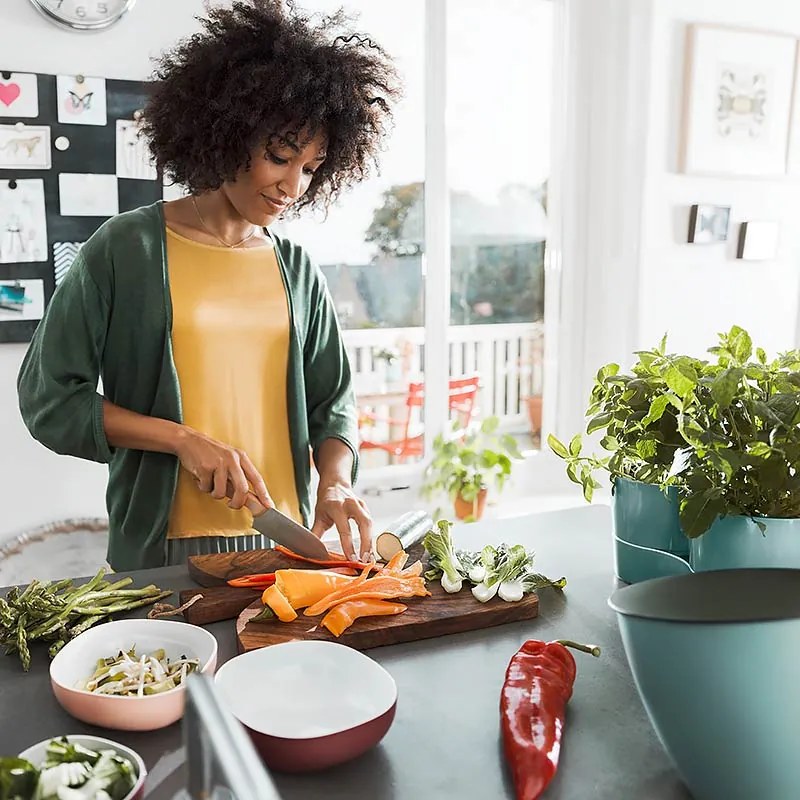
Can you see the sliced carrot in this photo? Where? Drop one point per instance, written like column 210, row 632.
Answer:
column 304, row 587
column 341, row 617
column 395, row 563
column 381, row 587
column 276, row 600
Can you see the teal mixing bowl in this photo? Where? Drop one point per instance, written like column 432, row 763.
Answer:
column 715, row 658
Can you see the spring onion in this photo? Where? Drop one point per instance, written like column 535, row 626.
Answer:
column 129, row 675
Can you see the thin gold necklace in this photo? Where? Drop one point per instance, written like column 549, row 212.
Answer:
column 222, row 241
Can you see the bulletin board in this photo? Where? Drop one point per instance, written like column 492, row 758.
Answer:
column 70, row 158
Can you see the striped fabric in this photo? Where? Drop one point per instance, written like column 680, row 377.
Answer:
column 178, row 550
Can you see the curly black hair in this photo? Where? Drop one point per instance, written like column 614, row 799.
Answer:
column 257, row 73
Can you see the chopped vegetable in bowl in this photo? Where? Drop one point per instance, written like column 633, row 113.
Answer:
column 129, row 675
column 69, row 772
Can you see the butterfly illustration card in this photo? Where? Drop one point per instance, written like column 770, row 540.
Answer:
column 19, row 95
column 81, row 100
column 23, row 225
column 24, row 146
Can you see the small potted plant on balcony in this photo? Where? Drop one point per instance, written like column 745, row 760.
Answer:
column 637, row 413
column 392, row 365
column 464, row 464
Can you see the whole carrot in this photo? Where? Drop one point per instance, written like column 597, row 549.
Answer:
column 537, row 688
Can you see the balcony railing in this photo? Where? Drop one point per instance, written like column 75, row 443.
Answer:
column 508, row 358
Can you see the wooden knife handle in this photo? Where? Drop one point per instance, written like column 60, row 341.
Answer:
column 251, row 502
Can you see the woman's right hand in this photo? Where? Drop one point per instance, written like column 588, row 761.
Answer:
column 215, row 465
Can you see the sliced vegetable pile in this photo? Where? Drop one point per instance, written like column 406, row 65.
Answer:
column 129, row 675
column 69, row 772
column 536, row 690
column 342, row 599
column 57, row 612
column 505, row 571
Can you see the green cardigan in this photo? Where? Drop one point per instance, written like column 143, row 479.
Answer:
column 111, row 318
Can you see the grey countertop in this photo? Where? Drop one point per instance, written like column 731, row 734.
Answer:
column 445, row 741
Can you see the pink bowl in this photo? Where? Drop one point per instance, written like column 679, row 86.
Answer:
column 309, row 705
column 76, row 662
column 36, row 754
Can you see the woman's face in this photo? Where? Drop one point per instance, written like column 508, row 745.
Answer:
column 275, row 179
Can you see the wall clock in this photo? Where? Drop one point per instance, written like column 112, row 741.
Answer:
column 84, row 15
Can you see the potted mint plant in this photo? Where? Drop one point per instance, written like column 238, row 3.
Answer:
column 465, row 463
column 739, row 469
column 709, row 449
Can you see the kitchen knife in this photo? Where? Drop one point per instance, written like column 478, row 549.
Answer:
column 282, row 529
column 286, row 531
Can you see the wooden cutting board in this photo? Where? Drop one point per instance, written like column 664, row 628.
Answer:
column 424, row 618
column 219, row 568
column 216, row 603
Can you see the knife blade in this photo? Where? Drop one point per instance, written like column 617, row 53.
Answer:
column 284, row 530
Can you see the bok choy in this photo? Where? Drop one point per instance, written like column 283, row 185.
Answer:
column 443, row 560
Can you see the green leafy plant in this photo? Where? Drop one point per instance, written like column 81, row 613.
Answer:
column 387, row 354
column 637, row 414
column 464, row 463
column 725, row 432
column 740, row 422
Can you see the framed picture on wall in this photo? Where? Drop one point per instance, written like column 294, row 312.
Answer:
column 708, row 224
column 793, row 156
column 737, row 101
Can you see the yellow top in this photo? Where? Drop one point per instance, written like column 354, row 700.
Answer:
column 230, row 338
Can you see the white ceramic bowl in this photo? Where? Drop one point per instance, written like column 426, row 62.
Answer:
column 309, row 705
column 36, row 754
column 76, row 662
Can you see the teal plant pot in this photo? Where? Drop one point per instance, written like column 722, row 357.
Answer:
column 648, row 540
column 737, row 542
column 714, row 656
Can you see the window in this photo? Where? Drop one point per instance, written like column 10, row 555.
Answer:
column 499, row 74
column 373, row 247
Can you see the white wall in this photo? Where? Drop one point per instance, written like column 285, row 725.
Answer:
column 627, row 273
column 37, row 486
column 694, row 291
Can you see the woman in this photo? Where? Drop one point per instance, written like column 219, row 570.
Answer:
column 221, row 361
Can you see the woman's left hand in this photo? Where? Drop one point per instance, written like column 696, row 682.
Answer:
column 337, row 504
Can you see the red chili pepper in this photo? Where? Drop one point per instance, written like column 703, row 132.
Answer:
column 258, row 581
column 334, row 561
column 537, row 687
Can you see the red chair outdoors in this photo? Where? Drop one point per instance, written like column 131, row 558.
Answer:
column 462, row 395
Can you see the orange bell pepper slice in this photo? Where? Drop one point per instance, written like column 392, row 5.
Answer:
column 383, row 587
column 304, row 587
column 276, row 600
column 341, row 617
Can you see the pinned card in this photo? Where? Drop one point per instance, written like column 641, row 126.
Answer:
column 23, row 224
column 81, row 100
column 87, row 195
column 133, row 155
column 21, row 300
column 24, row 147
column 64, row 254
column 19, row 95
